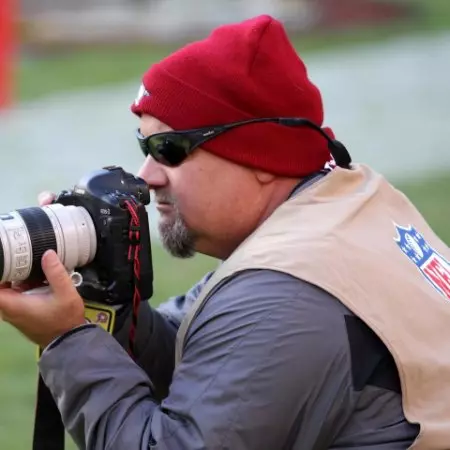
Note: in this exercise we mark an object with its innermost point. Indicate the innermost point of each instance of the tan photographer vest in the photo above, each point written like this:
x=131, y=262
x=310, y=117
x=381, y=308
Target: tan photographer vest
x=355, y=236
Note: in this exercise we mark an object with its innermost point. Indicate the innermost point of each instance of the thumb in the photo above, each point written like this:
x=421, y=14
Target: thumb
x=57, y=275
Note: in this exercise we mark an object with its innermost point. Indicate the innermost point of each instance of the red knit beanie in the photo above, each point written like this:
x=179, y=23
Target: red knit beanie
x=241, y=71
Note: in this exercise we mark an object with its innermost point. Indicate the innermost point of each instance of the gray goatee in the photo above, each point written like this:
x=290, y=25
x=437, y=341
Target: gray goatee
x=176, y=238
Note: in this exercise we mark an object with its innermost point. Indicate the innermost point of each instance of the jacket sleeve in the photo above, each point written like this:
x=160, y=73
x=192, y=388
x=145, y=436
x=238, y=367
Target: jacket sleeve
x=262, y=364
x=156, y=335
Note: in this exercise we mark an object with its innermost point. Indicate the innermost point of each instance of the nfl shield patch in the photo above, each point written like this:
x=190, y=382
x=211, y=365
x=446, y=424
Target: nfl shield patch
x=434, y=267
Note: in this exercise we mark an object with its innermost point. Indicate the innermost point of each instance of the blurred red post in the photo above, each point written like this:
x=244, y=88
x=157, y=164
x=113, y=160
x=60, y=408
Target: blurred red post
x=7, y=50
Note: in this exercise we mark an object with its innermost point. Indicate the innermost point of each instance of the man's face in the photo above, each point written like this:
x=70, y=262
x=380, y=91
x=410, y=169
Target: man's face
x=206, y=204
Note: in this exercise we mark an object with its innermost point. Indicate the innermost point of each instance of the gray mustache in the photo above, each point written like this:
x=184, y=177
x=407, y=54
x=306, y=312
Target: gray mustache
x=164, y=198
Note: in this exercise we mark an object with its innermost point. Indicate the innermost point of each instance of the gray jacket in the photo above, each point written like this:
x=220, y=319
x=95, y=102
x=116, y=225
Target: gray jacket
x=270, y=363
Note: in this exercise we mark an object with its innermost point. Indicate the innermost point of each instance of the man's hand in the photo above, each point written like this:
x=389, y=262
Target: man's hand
x=44, y=317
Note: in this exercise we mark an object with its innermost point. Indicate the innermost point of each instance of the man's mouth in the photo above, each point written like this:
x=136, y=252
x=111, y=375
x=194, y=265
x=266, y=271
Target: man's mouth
x=164, y=206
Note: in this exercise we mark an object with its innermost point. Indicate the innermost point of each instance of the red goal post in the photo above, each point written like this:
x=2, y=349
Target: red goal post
x=7, y=51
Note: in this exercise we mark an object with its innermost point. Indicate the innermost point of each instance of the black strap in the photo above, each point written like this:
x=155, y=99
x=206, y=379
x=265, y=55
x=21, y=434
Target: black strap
x=49, y=433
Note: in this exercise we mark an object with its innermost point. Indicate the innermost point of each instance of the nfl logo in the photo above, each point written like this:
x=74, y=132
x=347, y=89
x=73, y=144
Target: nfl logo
x=431, y=264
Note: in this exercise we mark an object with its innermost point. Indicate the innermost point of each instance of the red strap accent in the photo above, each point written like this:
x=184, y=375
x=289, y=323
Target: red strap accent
x=133, y=255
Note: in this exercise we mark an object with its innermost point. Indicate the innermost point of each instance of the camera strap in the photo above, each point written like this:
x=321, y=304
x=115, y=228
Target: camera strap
x=49, y=432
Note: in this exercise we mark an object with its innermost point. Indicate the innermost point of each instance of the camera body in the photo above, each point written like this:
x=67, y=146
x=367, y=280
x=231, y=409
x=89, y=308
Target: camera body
x=110, y=277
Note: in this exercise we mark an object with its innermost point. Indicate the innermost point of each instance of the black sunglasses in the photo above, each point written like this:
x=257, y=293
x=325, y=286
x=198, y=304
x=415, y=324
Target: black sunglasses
x=171, y=148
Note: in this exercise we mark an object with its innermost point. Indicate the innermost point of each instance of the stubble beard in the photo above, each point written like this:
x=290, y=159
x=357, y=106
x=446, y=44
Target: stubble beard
x=175, y=236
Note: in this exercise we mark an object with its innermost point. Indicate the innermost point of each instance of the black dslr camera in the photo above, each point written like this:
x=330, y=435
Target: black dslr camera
x=109, y=196
x=100, y=231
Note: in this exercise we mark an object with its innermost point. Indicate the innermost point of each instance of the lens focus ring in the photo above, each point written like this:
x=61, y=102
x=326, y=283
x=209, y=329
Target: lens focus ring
x=42, y=237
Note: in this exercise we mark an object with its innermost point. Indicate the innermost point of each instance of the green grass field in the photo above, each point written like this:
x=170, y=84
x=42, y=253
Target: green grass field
x=93, y=67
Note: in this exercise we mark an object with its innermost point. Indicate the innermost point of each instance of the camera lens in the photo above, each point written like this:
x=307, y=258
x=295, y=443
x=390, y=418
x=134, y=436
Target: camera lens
x=26, y=234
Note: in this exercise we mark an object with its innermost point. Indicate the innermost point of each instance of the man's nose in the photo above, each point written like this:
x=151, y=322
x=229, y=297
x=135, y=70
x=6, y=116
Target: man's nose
x=153, y=173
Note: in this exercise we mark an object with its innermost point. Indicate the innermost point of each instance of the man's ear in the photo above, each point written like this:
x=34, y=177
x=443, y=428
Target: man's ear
x=264, y=177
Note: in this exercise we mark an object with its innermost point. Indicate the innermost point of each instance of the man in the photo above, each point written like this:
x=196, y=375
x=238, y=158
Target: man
x=286, y=345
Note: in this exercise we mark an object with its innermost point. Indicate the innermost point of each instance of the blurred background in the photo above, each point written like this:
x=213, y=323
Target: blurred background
x=70, y=70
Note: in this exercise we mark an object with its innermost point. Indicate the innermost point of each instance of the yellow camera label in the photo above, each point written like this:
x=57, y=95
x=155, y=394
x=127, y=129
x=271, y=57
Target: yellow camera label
x=101, y=315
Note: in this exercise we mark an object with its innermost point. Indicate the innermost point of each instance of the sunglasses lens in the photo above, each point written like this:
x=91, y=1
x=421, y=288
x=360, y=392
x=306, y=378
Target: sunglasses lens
x=169, y=149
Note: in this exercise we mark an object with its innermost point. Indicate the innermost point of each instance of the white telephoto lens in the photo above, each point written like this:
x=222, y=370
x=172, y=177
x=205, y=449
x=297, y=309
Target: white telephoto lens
x=16, y=255
x=75, y=234
x=27, y=233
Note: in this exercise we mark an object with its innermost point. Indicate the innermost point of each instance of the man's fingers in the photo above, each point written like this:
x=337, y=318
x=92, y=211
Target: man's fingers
x=57, y=275
x=45, y=198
